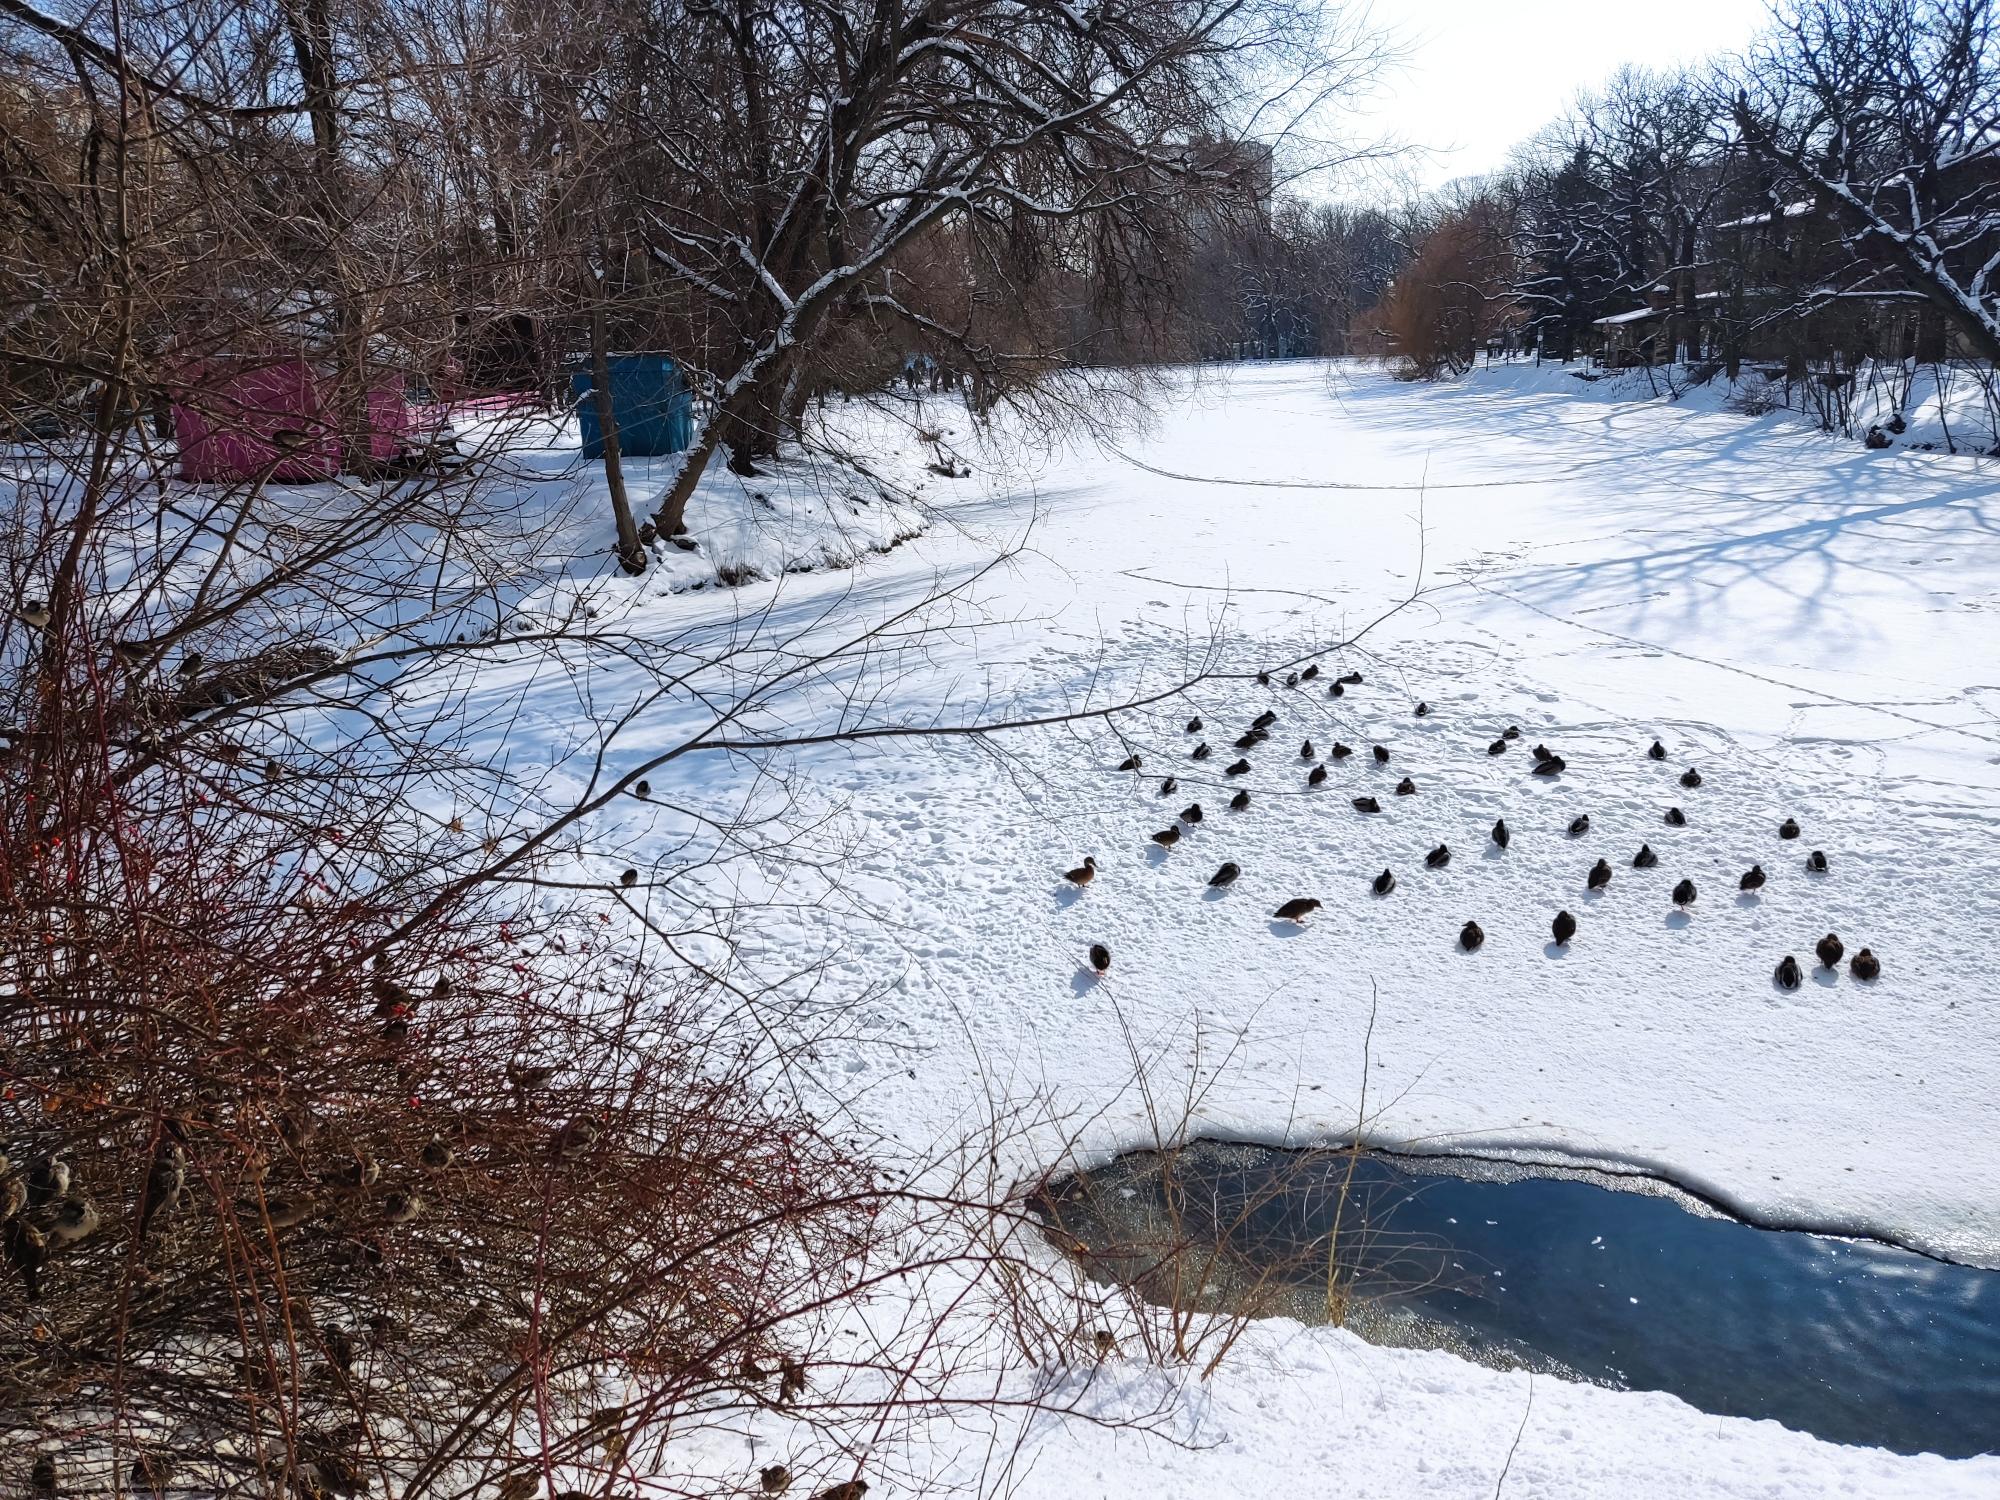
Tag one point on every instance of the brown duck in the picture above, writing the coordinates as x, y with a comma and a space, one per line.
1500, 834
1676, 818
1084, 873
1225, 874
1829, 949
1579, 825
1238, 769
1100, 957
1690, 778
1340, 751
1564, 928
1645, 859
1816, 861
1191, 814
1367, 805
1599, 876
1470, 936
1384, 883
1406, 788
1316, 775
1297, 909
1753, 879
1166, 838
1129, 763
1438, 858
1789, 829
1240, 801
1787, 973
1864, 965
1381, 755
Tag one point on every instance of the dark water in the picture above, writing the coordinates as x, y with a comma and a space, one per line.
1853, 1341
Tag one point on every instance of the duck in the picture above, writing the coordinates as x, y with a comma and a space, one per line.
1381, 755
1470, 937
1352, 679
1690, 778
1238, 769
1579, 825
1645, 859
1265, 720
1129, 763
1657, 751
1306, 750
1753, 879
1200, 752
1563, 928
1864, 965
1194, 725
1498, 747
1599, 876
1340, 751
1816, 861
1316, 775
1676, 818
1169, 787
1555, 765
1787, 973
1336, 691
1511, 732
1829, 949
1225, 874
1191, 814
1684, 893
1167, 837
1100, 957
1541, 753
1251, 740
1263, 679
1789, 829
1084, 873
1291, 679
1406, 788
1240, 801
1384, 883
1439, 857
1500, 834
1367, 805
1309, 673
1422, 709
1297, 909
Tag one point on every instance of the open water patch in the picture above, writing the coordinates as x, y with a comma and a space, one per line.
1625, 1282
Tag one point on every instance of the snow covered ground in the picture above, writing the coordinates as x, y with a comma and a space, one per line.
1808, 623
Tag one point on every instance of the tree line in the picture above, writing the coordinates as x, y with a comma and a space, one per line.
1830, 197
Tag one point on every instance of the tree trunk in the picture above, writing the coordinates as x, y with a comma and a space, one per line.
631, 553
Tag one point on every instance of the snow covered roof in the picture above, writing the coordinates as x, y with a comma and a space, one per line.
1636, 315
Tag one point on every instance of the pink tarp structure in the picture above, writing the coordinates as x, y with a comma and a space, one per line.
269, 420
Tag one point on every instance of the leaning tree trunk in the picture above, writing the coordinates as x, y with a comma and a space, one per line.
631, 552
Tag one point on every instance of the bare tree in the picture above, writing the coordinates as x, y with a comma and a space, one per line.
1886, 114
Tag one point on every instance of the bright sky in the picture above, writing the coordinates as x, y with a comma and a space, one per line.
1483, 74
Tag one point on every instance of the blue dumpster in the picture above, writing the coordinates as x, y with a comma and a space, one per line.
651, 402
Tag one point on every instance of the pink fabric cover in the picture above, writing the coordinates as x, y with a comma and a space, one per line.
229, 420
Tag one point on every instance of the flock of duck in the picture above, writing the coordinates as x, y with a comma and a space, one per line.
1544, 762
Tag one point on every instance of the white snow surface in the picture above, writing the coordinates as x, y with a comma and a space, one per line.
1808, 623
